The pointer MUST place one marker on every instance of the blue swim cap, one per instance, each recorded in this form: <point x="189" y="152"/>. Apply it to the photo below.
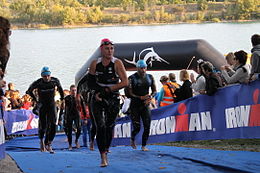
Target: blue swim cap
<point x="141" y="64"/>
<point x="45" y="71"/>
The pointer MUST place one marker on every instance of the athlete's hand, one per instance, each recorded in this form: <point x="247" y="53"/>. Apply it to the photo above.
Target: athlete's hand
<point x="105" y="92"/>
<point x="148" y="101"/>
<point x="97" y="97"/>
<point x="147" y="96"/>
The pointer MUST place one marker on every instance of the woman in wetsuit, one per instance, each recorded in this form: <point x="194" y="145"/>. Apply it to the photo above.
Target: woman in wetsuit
<point x="138" y="90"/>
<point x="106" y="76"/>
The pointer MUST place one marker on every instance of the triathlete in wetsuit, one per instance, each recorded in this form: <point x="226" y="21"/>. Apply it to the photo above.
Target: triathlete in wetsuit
<point x="138" y="91"/>
<point x="103" y="79"/>
<point x="45" y="88"/>
<point x="74" y="106"/>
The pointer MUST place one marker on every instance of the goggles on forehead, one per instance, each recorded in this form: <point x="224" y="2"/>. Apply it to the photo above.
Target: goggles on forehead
<point x="106" y="43"/>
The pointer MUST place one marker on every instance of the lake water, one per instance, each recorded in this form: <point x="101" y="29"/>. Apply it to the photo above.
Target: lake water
<point x="66" y="50"/>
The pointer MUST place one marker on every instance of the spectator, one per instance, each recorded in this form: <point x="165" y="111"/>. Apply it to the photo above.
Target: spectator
<point x="230" y="59"/>
<point x="166" y="95"/>
<point x="240" y="71"/>
<point x="212" y="80"/>
<point x="85" y="126"/>
<point x="27" y="103"/>
<point x="200" y="82"/>
<point x="185" y="90"/>
<point x="255" y="58"/>
<point x="16" y="101"/>
<point x="172" y="79"/>
<point x="7" y="102"/>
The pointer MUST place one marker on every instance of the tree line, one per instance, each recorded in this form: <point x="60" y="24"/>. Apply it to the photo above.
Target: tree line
<point x="80" y="12"/>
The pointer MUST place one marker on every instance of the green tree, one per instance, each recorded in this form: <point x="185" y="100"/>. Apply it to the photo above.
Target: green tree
<point x="245" y="8"/>
<point x="94" y="15"/>
<point x="202" y="5"/>
<point x="24" y="10"/>
<point x="4" y="9"/>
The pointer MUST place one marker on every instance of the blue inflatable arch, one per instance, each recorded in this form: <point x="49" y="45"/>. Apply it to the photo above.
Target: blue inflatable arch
<point x="169" y="55"/>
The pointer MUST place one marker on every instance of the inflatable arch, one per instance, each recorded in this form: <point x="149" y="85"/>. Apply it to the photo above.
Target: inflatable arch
<point x="169" y="55"/>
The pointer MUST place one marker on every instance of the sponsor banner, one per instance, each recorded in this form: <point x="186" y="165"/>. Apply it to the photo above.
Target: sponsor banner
<point x="233" y="112"/>
<point x="21" y="122"/>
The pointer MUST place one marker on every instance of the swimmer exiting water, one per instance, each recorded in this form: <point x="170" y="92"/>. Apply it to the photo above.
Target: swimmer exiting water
<point x="106" y="76"/>
<point x="46" y="88"/>
<point x="138" y="90"/>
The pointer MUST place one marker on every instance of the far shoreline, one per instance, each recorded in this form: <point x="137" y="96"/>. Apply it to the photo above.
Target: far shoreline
<point x="45" y="27"/>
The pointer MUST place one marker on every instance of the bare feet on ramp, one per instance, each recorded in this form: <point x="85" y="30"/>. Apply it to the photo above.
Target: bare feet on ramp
<point x="91" y="146"/>
<point x="104" y="161"/>
<point x="132" y="143"/>
<point x="49" y="148"/>
<point x="77" y="145"/>
<point x="42" y="146"/>
<point x="144" y="148"/>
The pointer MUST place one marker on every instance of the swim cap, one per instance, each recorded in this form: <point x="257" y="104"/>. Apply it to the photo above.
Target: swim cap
<point x="106" y="41"/>
<point x="141" y="64"/>
<point x="45" y="71"/>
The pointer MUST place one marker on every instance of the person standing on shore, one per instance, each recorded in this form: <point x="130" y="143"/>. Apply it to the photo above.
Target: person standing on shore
<point x="46" y="87"/>
<point x="138" y="90"/>
<point x="255" y="58"/>
<point x="106" y="76"/>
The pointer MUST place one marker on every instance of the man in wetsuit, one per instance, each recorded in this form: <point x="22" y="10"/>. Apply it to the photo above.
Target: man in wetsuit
<point x="106" y="76"/>
<point x="45" y="88"/>
<point x="138" y="90"/>
<point x="74" y="106"/>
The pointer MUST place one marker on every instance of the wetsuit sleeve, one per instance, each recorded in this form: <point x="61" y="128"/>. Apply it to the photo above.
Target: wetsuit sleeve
<point x="153" y="86"/>
<point x="66" y="107"/>
<point x="33" y="86"/>
<point x="60" y="89"/>
<point x="83" y="106"/>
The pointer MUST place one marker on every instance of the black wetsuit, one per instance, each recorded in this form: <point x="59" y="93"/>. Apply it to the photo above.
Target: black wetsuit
<point x="47" y="110"/>
<point x="72" y="114"/>
<point x="105" y="112"/>
<point x="140" y="87"/>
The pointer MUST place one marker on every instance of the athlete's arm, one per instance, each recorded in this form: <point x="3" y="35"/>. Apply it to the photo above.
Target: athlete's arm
<point x="120" y="70"/>
<point x="60" y="89"/>
<point x="153" y="87"/>
<point x="32" y="87"/>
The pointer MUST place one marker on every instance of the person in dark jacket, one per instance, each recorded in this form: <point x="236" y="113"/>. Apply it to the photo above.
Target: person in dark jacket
<point x="213" y="82"/>
<point x="185" y="90"/>
<point x="255" y="58"/>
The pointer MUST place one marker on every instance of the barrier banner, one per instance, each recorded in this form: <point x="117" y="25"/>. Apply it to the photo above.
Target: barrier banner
<point x="21" y="122"/>
<point x="2" y="133"/>
<point x="233" y="112"/>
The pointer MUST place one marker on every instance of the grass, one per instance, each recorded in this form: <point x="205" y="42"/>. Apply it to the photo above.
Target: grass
<point x="227" y="144"/>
